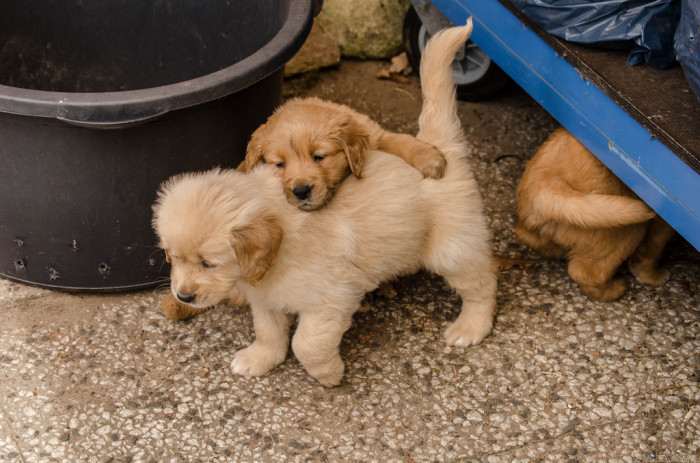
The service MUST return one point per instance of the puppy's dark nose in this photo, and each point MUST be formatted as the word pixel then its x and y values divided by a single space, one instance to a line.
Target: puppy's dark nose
pixel 186 298
pixel 302 191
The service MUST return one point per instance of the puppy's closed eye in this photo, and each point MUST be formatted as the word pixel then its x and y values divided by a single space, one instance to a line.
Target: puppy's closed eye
pixel 276 162
pixel 318 156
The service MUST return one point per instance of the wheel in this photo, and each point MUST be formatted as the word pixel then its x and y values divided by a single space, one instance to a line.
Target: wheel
pixel 476 76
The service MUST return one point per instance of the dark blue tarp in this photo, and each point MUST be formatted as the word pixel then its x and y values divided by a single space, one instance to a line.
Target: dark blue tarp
pixel 688 43
pixel 649 25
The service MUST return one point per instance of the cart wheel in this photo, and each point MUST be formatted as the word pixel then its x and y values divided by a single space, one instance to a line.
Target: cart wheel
pixel 477 77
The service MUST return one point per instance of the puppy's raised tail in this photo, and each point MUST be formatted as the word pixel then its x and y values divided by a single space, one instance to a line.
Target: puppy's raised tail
pixel 560 202
pixel 439 123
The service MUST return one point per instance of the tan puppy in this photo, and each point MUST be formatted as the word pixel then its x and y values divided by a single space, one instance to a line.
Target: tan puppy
pixel 570 204
pixel 225 230
pixel 315 144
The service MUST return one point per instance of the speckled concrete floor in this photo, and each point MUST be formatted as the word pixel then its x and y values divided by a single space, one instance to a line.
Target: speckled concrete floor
pixel 107 378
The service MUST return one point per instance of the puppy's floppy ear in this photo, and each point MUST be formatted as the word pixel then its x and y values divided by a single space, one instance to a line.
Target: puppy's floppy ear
pixel 256 246
pixel 354 138
pixel 254 151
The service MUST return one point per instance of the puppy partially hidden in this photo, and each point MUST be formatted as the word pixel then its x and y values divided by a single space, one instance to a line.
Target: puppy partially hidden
pixel 570 204
pixel 315 144
pixel 225 230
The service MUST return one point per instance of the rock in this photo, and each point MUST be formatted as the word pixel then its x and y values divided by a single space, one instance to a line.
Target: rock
pixel 365 28
pixel 319 51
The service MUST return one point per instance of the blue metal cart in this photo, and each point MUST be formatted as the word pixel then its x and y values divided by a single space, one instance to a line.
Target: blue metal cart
pixel 641 123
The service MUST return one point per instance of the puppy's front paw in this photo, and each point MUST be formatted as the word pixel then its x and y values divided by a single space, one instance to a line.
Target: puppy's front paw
pixel 256 360
pixel 431 163
pixel 175 311
pixel 468 331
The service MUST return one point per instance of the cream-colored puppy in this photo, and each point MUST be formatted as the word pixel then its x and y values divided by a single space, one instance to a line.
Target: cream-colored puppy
pixel 226 231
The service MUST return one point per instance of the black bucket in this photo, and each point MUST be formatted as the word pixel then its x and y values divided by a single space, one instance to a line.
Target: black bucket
pixel 100 101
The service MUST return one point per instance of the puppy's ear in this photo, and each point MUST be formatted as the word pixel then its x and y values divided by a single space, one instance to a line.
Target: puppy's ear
pixel 354 139
pixel 256 246
pixel 254 151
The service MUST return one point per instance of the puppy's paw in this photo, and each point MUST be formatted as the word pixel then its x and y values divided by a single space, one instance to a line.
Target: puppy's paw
pixel 468 331
pixel 611 291
pixel 651 277
pixel 256 360
pixel 329 374
pixel 175 310
pixel 657 278
pixel 431 163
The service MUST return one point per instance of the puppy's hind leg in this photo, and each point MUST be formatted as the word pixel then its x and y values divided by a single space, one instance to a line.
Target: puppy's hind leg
pixel 537 242
pixel 270 346
pixel 462 255
pixel 598 254
pixel 316 343
pixel 595 277
pixel 473 276
pixel 477 288
pixel 644 262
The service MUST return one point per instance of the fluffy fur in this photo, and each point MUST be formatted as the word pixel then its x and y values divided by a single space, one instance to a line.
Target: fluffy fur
pixel 319 266
pixel 315 144
pixel 570 204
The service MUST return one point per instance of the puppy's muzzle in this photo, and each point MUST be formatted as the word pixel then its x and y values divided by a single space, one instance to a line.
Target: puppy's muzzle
pixel 302 192
pixel 187 298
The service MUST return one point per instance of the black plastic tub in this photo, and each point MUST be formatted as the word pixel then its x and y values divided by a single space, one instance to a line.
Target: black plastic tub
pixel 100 101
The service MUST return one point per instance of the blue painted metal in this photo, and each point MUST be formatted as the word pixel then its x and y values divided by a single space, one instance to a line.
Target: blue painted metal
pixel 647 166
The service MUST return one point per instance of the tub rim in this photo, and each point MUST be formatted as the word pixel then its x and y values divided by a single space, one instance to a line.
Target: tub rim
pixel 124 108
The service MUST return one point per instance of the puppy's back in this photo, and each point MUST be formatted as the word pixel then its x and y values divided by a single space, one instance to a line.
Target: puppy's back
pixel 386 212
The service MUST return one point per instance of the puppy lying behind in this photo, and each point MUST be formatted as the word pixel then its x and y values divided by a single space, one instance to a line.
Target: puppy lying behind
pixel 225 230
pixel 315 144
pixel 570 204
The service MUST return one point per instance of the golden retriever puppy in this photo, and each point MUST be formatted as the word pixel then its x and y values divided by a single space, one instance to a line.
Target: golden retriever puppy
pixel 228 231
pixel 570 204
pixel 315 144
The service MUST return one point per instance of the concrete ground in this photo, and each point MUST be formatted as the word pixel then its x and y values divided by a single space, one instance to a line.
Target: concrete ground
pixel 108 379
